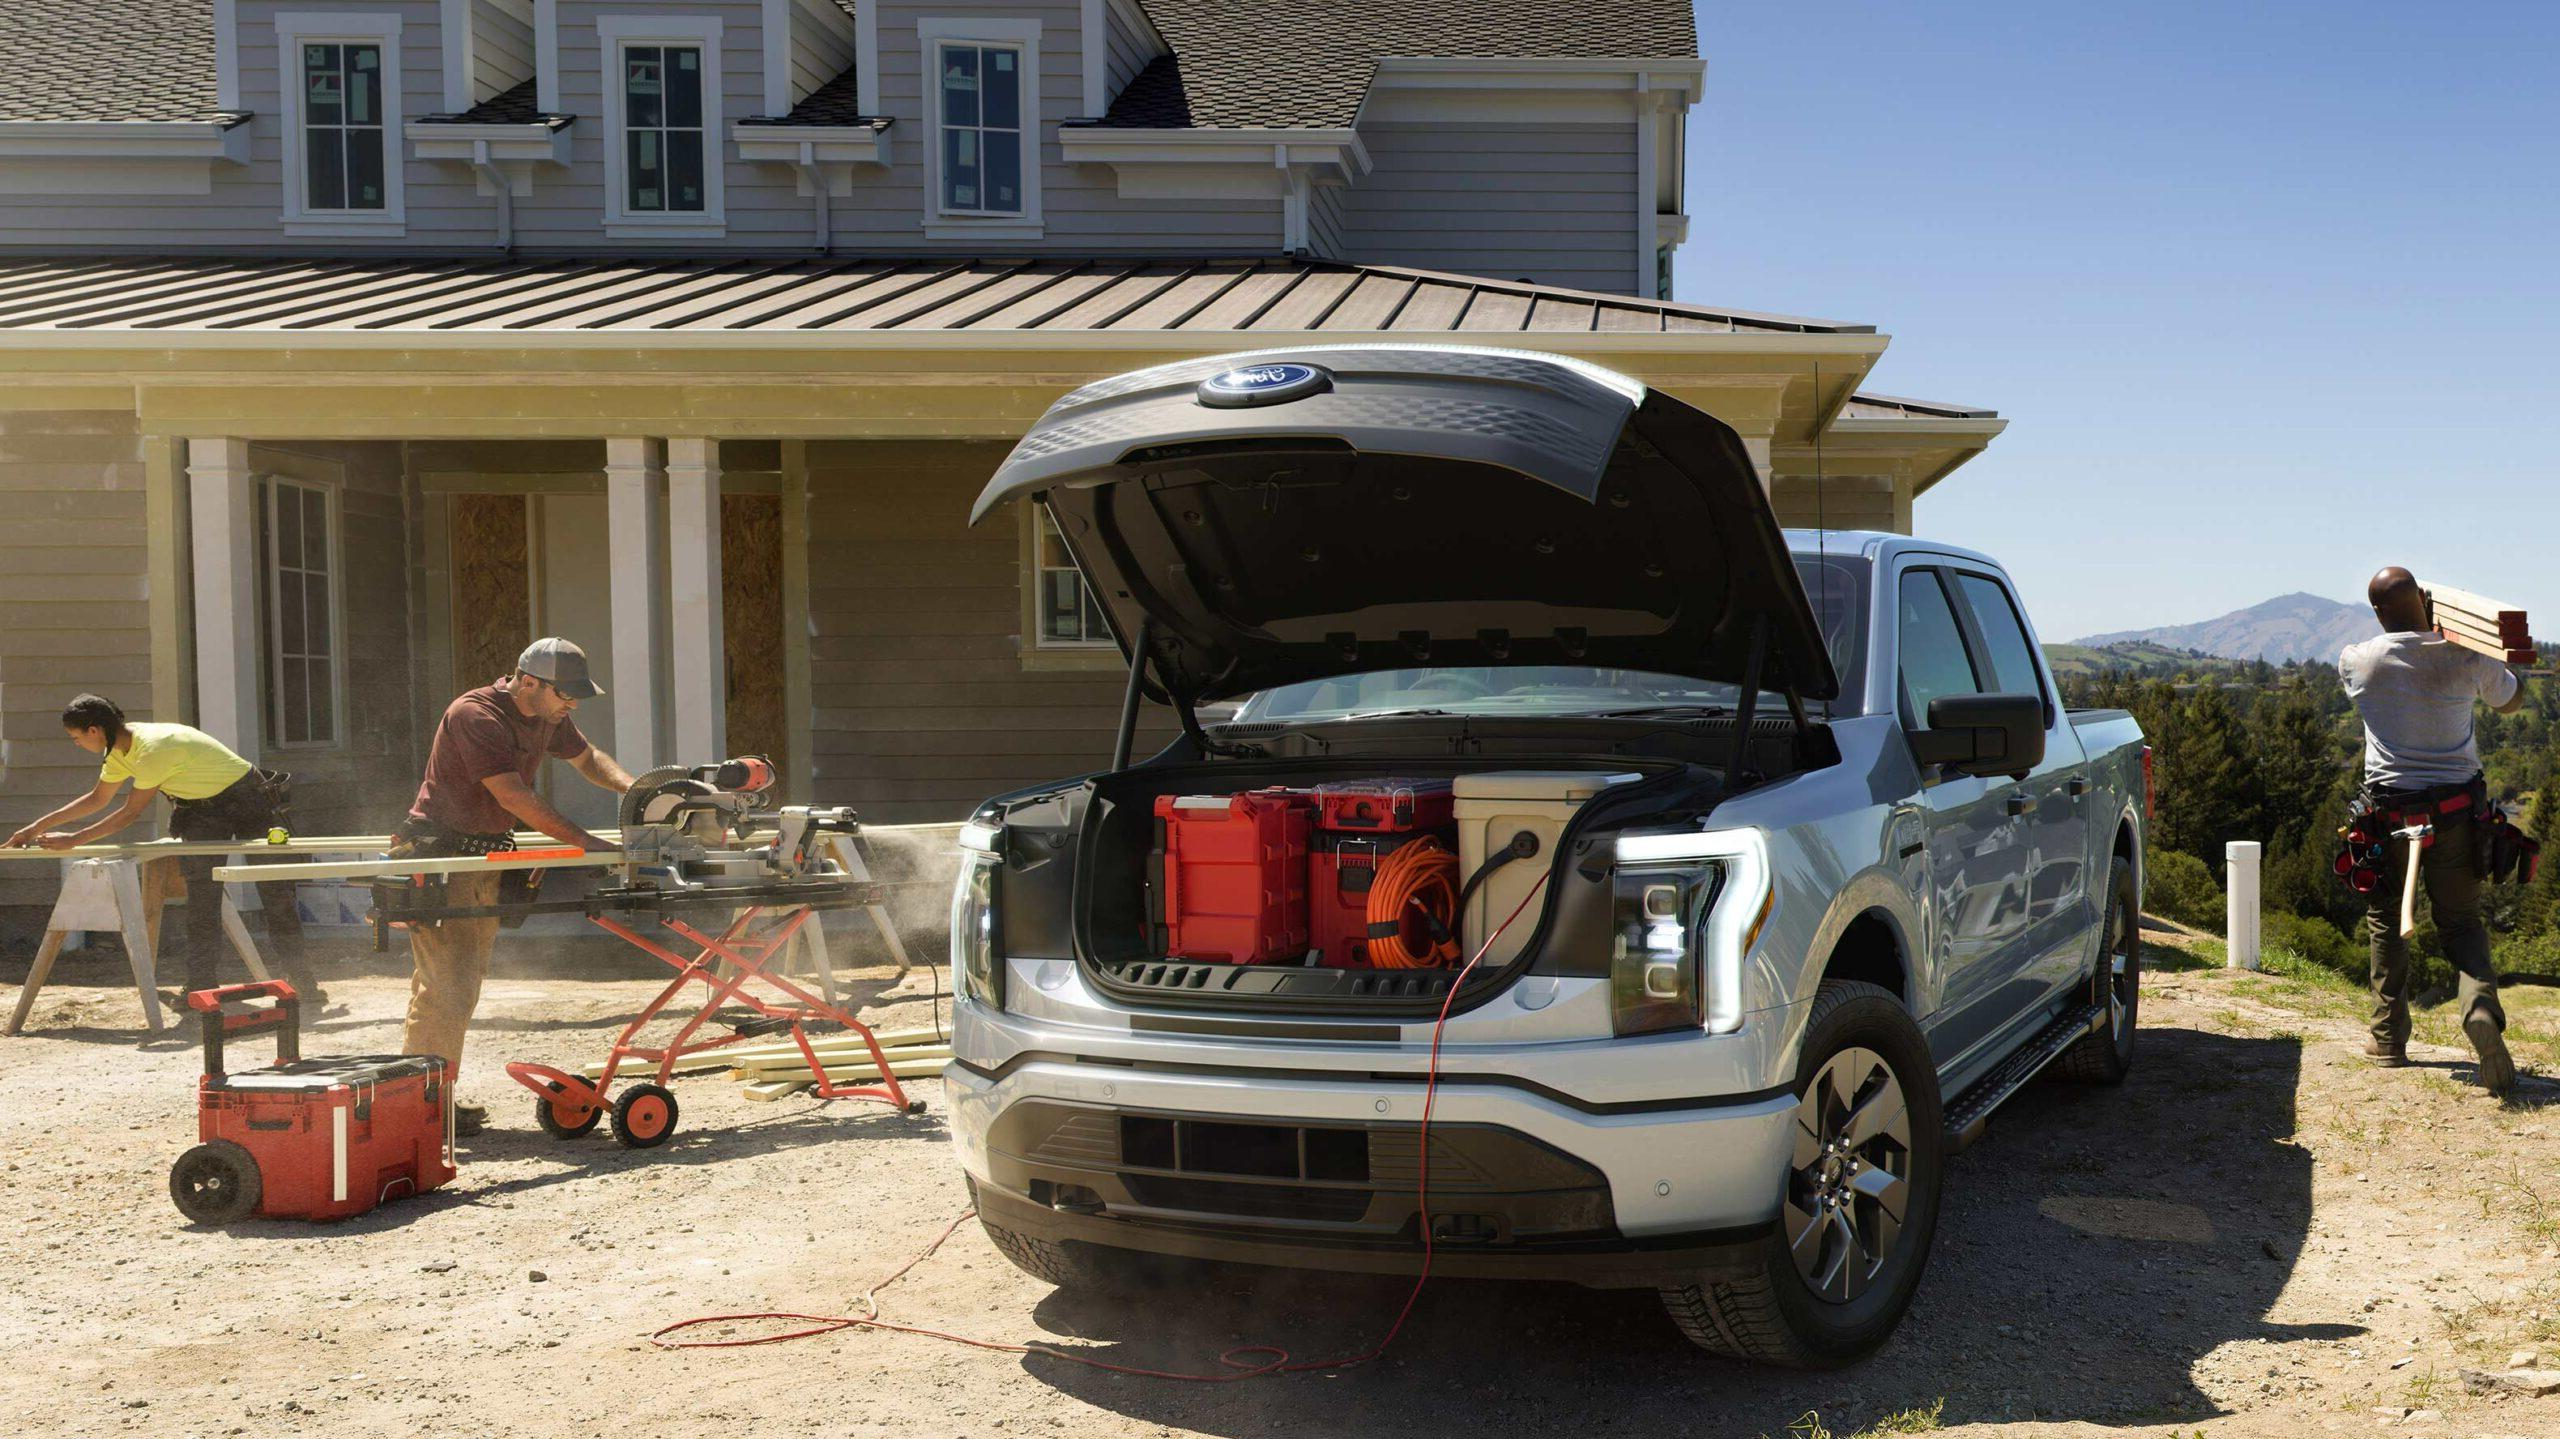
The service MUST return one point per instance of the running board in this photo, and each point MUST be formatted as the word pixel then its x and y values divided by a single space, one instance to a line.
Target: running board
pixel 1971 1112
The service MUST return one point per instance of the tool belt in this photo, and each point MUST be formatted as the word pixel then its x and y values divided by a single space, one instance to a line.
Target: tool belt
pixel 250 806
pixel 2364 842
pixel 421 838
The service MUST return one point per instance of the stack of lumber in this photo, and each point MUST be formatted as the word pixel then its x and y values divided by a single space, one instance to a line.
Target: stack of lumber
pixel 774 1068
pixel 2478 623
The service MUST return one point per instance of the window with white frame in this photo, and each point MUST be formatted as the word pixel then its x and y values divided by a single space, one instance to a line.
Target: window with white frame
pixel 340 77
pixel 982 130
pixel 1065 615
pixel 342 133
pixel 299 582
pixel 662 130
pixel 662 125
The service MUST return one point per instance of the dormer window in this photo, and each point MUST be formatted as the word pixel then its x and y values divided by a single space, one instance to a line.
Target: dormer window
pixel 341 76
pixel 981 129
pixel 982 111
pixel 662 122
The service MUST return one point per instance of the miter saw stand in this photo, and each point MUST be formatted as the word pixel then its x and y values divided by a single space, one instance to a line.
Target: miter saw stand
pixel 687 846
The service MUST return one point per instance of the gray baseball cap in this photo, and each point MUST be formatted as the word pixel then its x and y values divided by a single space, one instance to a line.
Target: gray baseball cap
pixel 562 665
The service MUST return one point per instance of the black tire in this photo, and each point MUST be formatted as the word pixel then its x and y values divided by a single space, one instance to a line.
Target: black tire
pixel 644 1116
pixel 549 1118
pixel 2106 1056
pixel 1766 1310
pixel 216 1183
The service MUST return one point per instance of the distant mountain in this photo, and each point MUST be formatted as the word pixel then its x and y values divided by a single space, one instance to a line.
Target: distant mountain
pixel 2289 627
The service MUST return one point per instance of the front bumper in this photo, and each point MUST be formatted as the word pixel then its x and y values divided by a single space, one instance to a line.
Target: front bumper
pixel 1288 1168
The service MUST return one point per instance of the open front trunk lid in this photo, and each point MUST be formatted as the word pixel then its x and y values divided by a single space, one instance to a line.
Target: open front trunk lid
pixel 1294 515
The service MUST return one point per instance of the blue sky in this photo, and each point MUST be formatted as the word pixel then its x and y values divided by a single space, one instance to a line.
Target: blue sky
pixel 2267 292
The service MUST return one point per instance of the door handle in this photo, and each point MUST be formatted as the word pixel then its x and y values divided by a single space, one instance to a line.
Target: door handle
pixel 2079 785
pixel 2020 802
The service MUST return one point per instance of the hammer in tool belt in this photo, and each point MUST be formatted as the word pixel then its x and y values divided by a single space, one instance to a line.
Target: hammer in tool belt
pixel 2419 836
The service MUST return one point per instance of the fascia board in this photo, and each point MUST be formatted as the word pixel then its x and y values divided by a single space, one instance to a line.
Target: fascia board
pixel 639 344
pixel 441 140
pixel 123 139
pixel 1095 144
pixel 823 144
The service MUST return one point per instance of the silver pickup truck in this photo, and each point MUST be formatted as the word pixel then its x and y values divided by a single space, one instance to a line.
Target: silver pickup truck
pixel 1797 866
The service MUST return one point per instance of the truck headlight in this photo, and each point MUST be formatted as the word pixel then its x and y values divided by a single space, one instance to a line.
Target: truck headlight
pixel 977 963
pixel 1689 909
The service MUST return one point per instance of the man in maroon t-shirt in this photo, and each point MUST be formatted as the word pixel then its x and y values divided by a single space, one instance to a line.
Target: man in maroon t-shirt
pixel 478 788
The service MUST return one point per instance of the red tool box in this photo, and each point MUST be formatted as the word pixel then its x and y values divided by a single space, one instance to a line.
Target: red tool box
pixel 1231 876
pixel 1359 823
pixel 307 1138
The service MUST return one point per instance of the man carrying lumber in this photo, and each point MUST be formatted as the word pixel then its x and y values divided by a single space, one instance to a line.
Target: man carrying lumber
pixel 213 795
pixel 478 788
pixel 2414 691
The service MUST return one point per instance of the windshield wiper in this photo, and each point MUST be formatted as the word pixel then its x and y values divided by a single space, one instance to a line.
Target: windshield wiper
pixel 1400 714
pixel 1652 711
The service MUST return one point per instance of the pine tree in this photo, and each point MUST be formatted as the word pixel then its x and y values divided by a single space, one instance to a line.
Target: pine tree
pixel 2212 792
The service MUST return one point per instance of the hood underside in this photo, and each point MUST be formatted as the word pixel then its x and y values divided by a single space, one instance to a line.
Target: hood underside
pixel 1296 515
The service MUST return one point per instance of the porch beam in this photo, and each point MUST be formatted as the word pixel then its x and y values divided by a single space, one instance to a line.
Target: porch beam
pixel 222 506
pixel 636 536
pixel 698 672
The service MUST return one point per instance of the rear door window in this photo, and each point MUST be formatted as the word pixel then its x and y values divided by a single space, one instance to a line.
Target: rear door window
pixel 2011 658
pixel 1934 661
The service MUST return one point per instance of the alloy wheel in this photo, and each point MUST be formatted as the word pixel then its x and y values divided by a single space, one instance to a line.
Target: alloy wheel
pixel 1850 1183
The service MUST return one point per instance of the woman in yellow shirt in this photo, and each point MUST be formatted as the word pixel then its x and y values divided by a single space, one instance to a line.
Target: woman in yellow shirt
pixel 213 795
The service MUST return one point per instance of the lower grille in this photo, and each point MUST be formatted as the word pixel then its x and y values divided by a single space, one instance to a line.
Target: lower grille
pixel 1251 1201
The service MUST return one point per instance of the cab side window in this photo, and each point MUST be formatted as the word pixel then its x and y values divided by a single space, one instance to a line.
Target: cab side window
pixel 1933 657
pixel 2004 637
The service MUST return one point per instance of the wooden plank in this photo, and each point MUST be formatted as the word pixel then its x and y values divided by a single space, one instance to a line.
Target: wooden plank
pixel 2477 606
pixel 385 868
pixel 840 1059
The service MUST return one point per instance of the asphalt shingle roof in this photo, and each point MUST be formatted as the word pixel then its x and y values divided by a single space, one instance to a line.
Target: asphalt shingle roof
pixel 108 60
pixel 837 102
pixel 1307 63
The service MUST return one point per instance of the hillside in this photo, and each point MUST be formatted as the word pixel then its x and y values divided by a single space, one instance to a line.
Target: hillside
pixel 2289 627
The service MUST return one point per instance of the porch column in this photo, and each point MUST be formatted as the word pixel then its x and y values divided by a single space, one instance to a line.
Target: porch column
pixel 222 508
pixel 1903 494
pixel 699 671
pixel 1758 446
pixel 636 538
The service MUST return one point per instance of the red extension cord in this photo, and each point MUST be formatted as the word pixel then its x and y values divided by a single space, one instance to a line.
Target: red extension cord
pixel 1245 1361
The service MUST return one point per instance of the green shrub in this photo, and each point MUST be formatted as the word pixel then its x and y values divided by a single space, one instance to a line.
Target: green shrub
pixel 2537 955
pixel 2314 940
pixel 2177 886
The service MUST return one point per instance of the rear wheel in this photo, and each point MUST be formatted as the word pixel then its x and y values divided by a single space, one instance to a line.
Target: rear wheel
pixel 644 1116
pixel 2105 1056
pixel 1860 1205
pixel 216 1183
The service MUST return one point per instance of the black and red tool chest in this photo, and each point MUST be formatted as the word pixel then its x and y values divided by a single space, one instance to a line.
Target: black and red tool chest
pixel 307 1138
pixel 1359 823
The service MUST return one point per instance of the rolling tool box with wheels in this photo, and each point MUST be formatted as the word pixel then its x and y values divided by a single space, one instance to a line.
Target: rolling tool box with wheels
pixel 307 1138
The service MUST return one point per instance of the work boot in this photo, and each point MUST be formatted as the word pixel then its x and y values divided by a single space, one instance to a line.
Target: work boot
pixel 469 1119
pixel 2386 1054
pixel 2497 1071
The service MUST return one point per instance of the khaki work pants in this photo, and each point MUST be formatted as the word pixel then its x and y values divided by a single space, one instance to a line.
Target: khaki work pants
pixel 448 960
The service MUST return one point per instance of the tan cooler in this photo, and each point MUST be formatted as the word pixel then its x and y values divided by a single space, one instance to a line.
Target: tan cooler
pixel 1491 809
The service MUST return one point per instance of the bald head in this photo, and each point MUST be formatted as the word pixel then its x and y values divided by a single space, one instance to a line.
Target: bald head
pixel 2396 599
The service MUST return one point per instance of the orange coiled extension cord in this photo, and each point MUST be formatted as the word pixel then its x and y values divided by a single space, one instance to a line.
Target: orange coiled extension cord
pixel 1419 881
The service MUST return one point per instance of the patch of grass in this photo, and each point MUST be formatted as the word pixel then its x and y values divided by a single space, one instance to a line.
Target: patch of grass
pixel 1907 1421
pixel 2421 1390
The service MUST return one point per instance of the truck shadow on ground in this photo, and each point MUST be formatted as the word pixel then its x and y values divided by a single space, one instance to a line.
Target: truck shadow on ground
pixel 2094 1247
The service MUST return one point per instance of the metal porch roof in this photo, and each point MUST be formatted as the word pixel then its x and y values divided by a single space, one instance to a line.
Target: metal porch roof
pixel 749 296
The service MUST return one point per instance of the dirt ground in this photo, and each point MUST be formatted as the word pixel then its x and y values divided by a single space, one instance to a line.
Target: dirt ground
pixel 2256 1235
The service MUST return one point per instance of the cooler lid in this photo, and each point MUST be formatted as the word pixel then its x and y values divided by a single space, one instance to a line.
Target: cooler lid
pixel 1543 785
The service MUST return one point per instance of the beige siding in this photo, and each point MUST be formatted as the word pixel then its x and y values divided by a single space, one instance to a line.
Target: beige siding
pixel 923 704
pixel 73 592
pixel 1847 502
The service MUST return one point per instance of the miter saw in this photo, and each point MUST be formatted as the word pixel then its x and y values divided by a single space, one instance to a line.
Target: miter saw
pixel 687 829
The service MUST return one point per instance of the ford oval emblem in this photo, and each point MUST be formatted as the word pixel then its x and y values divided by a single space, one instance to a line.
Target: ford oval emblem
pixel 1269 384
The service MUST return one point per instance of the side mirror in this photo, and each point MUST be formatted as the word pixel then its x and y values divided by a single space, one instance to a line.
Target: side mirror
pixel 1983 734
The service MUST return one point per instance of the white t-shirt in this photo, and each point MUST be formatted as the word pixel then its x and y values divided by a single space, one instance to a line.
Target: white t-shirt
pixel 2414 692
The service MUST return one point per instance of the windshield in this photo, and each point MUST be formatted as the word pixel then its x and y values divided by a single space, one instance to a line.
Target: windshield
pixel 1837 587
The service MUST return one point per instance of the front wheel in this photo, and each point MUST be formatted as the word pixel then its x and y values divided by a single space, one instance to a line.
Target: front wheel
pixel 216 1183
pixel 1860 1204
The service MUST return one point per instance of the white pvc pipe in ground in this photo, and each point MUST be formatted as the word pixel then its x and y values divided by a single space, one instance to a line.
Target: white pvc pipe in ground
pixel 2241 920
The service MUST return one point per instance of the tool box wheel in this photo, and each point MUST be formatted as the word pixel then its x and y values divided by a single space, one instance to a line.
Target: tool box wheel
pixel 549 1114
pixel 216 1183
pixel 644 1116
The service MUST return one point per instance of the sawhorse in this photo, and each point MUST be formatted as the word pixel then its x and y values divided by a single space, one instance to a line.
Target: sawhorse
pixel 125 896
